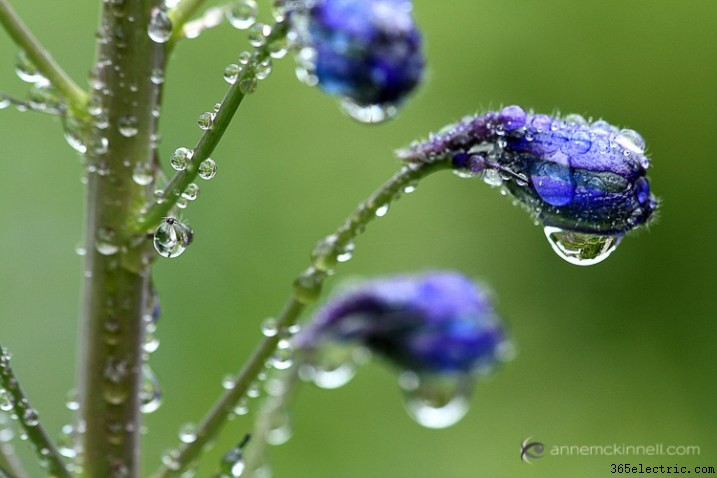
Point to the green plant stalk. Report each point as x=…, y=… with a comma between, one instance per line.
x=156, y=210
x=27, y=417
x=9, y=462
x=181, y=14
x=23, y=37
x=306, y=290
x=116, y=270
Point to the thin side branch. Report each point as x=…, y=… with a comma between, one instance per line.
x=29, y=420
x=23, y=37
x=307, y=289
x=28, y=106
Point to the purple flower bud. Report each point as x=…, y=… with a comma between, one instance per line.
x=435, y=323
x=575, y=176
x=366, y=51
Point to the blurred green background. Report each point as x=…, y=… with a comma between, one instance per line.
x=622, y=352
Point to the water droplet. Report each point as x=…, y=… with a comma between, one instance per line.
x=127, y=126
x=188, y=433
x=142, y=174
x=7, y=402
x=160, y=26
x=253, y=391
x=105, y=241
x=258, y=34
x=369, y=114
x=26, y=70
x=270, y=327
x=71, y=400
x=180, y=158
x=492, y=177
x=206, y=120
x=248, y=85
x=30, y=417
x=150, y=394
x=435, y=401
x=172, y=238
x=278, y=47
x=157, y=76
x=263, y=69
x=579, y=248
x=4, y=102
x=328, y=376
x=231, y=73
x=631, y=140
x=207, y=169
x=283, y=358
x=382, y=210
x=228, y=382
x=170, y=458
x=346, y=253
x=233, y=463
x=67, y=442
x=242, y=407
x=72, y=129
x=242, y=14
x=191, y=193
x=280, y=430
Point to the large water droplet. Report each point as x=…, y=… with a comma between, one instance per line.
x=231, y=73
x=579, y=248
x=160, y=26
x=172, y=238
x=30, y=417
x=435, y=401
x=191, y=193
x=207, y=169
x=258, y=33
x=280, y=430
x=26, y=70
x=73, y=134
x=283, y=358
x=142, y=174
x=232, y=464
x=180, y=158
x=369, y=114
x=206, y=120
x=242, y=14
x=332, y=365
x=188, y=433
x=127, y=126
x=150, y=394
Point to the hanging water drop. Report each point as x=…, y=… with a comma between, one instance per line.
x=270, y=327
x=242, y=14
x=369, y=114
x=172, y=238
x=581, y=249
x=232, y=464
x=188, y=433
x=72, y=129
x=67, y=442
x=206, y=120
x=106, y=241
x=191, y=193
x=248, y=85
x=180, y=158
x=207, y=169
x=127, y=126
x=71, y=400
x=150, y=394
x=142, y=174
x=328, y=376
x=26, y=70
x=4, y=102
x=382, y=210
x=435, y=401
x=280, y=430
x=283, y=358
x=160, y=26
x=231, y=73
x=242, y=407
x=263, y=69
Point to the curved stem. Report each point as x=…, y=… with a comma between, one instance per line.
x=306, y=290
x=209, y=139
x=23, y=37
x=28, y=418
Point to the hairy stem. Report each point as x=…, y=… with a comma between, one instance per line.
x=306, y=290
x=23, y=37
x=209, y=139
x=117, y=270
x=29, y=420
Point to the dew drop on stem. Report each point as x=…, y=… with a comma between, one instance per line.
x=207, y=169
x=581, y=249
x=242, y=14
x=160, y=26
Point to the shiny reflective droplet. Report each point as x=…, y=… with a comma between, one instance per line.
x=191, y=193
x=328, y=376
x=106, y=241
x=270, y=327
x=207, y=169
x=263, y=69
x=170, y=459
x=206, y=120
x=248, y=85
x=30, y=417
x=382, y=210
x=435, y=401
x=172, y=238
x=72, y=401
x=232, y=465
x=180, y=158
x=67, y=442
x=280, y=429
x=160, y=26
x=74, y=135
x=4, y=102
x=579, y=248
x=369, y=114
x=188, y=433
x=631, y=140
x=142, y=174
x=242, y=407
x=228, y=382
x=150, y=393
x=242, y=14
x=283, y=357
x=127, y=126
x=258, y=34
x=157, y=76
x=26, y=70
x=231, y=73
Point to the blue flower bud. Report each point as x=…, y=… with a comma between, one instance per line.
x=367, y=52
x=586, y=178
x=436, y=323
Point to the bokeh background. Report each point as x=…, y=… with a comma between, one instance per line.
x=621, y=352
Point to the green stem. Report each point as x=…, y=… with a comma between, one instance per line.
x=209, y=139
x=23, y=37
x=26, y=105
x=181, y=14
x=9, y=462
x=29, y=420
x=306, y=290
x=117, y=270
